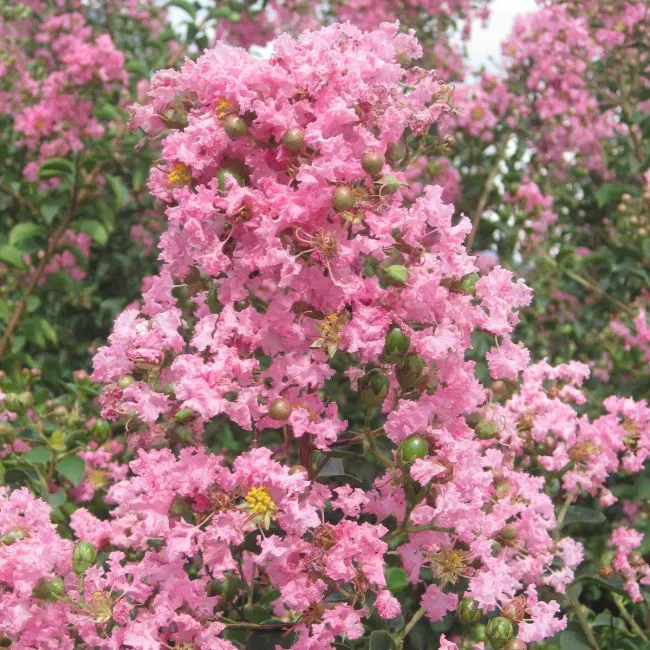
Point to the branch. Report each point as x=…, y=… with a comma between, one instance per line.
x=487, y=188
x=582, y=619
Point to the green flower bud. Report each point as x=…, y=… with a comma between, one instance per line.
x=373, y=388
x=235, y=126
x=100, y=430
x=397, y=344
x=83, y=557
x=396, y=152
x=412, y=448
x=373, y=162
x=343, y=198
x=226, y=172
x=409, y=371
x=499, y=631
x=12, y=537
x=184, y=415
x=18, y=403
x=389, y=184
x=468, y=282
x=49, y=589
x=294, y=140
x=396, y=274
x=126, y=381
x=486, y=430
x=469, y=612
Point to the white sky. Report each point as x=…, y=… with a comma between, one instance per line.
x=485, y=44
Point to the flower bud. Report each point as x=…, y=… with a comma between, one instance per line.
x=294, y=140
x=486, y=430
x=125, y=381
x=83, y=557
x=469, y=611
x=18, y=403
x=397, y=344
x=373, y=162
x=396, y=152
x=184, y=415
x=468, y=282
x=507, y=536
x=100, y=430
x=412, y=448
x=515, y=644
x=49, y=589
x=389, y=184
x=226, y=172
x=235, y=126
x=499, y=631
x=396, y=274
x=343, y=198
x=409, y=371
x=280, y=409
x=373, y=388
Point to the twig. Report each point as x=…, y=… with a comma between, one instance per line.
x=582, y=619
x=487, y=188
x=410, y=625
x=618, y=599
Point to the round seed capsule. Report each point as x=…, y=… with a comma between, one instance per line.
x=280, y=409
x=373, y=162
x=235, y=126
x=294, y=140
x=343, y=198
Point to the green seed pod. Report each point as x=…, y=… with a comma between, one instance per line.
x=226, y=172
x=389, y=184
x=49, y=589
x=294, y=140
x=100, y=430
x=404, y=60
x=12, y=537
x=280, y=409
x=499, y=631
x=235, y=126
x=373, y=388
x=396, y=152
x=373, y=162
x=486, y=430
x=507, y=536
x=409, y=371
x=412, y=448
x=83, y=557
x=343, y=198
x=469, y=612
x=397, y=344
x=478, y=633
x=126, y=381
x=396, y=274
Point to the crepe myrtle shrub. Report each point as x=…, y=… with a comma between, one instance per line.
x=302, y=465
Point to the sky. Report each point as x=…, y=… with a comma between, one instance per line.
x=485, y=44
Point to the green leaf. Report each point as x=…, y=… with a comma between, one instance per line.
x=185, y=6
x=48, y=331
x=119, y=189
x=72, y=468
x=396, y=579
x=56, y=499
x=94, y=229
x=49, y=210
x=256, y=613
x=22, y=231
x=572, y=641
x=56, y=167
x=38, y=455
x=12, y=255
x=381, y=640
x=581, y=515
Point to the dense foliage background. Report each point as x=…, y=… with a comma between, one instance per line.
x=111, y=184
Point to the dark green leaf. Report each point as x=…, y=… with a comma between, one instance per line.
x=381, y=640
x=56, y=167
x=72, y=468
x=397, y=579
x=581, y=515
x=25, y=230
x=12, y=255
x=38, y=455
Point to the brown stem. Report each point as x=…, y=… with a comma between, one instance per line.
x=17, y=197
x=487, y=188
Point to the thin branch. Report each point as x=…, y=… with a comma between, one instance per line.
x=582, y=619
x=618, y=599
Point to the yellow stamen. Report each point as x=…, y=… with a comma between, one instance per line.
x=180, y=174
x=260, y=502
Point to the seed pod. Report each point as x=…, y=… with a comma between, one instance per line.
x=412, y=448
x=469, y=612
x=468, y=282
x=280, y=409
x=184, y=415
x=389, y=184
x=499, y=631
x=507, y=536
x=100, y=430
x=83, y=557
x=226, y=172
x=235, y=126
x=294, y=140
x=373, y=162
x=515, y=644
x=343, y=198
x=18, y=403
